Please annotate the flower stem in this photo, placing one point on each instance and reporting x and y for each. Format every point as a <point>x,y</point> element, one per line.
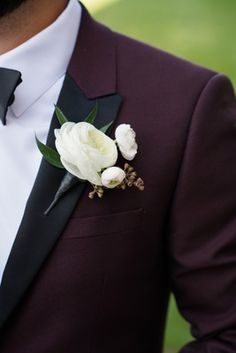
<point>67,183</point>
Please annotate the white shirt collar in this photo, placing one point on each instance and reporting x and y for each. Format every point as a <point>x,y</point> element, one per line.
<point>44,58</point>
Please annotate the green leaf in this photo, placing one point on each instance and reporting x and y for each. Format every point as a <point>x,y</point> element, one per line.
<point>49,154</point>
<point>105,128</point>
<point>60,116</point>
<point>92,115</point>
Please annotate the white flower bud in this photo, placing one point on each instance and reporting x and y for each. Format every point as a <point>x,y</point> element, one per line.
<point>112,177</point>
<point>125,138</point>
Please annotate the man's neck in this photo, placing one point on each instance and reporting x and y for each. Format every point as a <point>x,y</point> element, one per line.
<point>28,20</point>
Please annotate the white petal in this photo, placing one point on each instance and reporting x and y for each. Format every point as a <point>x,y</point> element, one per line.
<point>129,153</point>
<point>71,168</point>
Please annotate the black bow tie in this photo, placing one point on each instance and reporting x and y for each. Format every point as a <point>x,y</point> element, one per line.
<point>9,80</point>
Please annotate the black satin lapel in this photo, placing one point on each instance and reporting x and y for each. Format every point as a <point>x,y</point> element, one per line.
<point>38,233</point>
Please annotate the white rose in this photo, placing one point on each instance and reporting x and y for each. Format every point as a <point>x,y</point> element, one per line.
<point>113,176</point>
<point>125,138</point>
<point>85,151</point>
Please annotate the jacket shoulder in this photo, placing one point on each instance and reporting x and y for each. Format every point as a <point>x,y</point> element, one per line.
<point>156,65</point>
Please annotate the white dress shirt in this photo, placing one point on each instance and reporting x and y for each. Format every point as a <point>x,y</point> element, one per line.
<point>43,61</point>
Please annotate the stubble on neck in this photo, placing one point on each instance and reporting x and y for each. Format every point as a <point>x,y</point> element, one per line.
<point>31,17</point>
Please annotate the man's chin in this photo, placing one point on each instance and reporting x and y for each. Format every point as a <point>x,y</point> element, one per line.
<point>8,6</point>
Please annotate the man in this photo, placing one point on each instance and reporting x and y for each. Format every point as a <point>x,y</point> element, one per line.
<point>95,275</point>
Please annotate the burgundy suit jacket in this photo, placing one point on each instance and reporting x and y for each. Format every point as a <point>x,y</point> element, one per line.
<point>95,276</point>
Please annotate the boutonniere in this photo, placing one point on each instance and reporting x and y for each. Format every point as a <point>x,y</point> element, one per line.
<point>89,155</point>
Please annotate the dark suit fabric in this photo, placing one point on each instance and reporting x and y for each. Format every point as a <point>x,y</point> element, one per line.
<point>104,286</point>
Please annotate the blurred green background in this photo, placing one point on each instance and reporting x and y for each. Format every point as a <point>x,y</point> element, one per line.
<point>202,31</point>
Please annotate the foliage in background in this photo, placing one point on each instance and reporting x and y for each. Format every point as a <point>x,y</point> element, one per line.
<point>200,31</point>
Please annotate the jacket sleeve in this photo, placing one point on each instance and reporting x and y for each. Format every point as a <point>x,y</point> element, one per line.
<point>203,223</point>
